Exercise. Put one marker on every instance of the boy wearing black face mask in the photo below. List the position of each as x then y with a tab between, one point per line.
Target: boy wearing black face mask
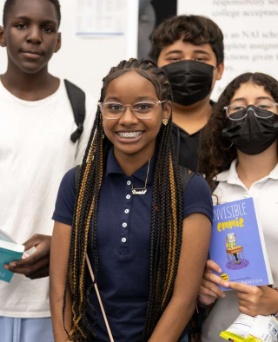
190	49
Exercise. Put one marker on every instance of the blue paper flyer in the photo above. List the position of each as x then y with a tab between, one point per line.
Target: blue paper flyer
237	243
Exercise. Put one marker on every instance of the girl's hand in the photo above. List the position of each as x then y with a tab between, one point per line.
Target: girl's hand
255	300
210	290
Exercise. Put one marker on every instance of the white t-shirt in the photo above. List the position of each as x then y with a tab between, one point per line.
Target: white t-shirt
265	191
35	153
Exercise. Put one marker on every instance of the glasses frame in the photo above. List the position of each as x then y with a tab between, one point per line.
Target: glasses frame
100	104
226	108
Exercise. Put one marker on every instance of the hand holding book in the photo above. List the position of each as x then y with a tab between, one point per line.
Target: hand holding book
237	243
255	300
211	284
238	255
35	265
9	251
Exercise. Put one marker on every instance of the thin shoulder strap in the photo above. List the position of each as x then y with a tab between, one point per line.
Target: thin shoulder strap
99	299
77	100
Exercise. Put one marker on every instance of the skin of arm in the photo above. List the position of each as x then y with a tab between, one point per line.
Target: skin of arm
59	256
194	251
37	264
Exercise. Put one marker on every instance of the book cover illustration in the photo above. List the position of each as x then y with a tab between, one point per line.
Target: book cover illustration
237	243
9	251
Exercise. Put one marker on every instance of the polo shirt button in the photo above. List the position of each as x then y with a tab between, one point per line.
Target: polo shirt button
128	182
123	239
126	211
124	225
127	196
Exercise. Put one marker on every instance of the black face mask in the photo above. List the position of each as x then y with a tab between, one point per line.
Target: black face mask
190	81
252	135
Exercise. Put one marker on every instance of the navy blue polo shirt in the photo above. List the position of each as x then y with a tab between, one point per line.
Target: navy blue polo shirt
123	243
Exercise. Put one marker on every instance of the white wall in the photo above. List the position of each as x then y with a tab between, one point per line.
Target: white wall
86	60
250	34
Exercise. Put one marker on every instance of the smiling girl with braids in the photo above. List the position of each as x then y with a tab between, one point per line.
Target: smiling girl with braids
146	238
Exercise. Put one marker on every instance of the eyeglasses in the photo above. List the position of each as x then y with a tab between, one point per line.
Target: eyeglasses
266	110
142	110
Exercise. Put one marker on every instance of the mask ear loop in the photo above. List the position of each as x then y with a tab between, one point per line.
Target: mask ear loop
228	147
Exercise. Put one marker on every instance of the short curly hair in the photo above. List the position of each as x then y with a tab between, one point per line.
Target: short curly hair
194	29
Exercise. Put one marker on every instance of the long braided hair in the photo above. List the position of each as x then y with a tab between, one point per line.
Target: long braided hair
166	220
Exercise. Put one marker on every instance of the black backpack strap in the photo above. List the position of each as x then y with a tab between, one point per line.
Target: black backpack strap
185	175
77	99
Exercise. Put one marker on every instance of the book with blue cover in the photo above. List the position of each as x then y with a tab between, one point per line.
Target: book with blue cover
9	251
237	243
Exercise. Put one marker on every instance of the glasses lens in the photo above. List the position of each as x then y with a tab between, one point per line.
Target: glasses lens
235	112
143	107
266	109
234	108
112	109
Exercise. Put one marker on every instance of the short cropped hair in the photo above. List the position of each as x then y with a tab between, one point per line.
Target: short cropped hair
8	6
194	29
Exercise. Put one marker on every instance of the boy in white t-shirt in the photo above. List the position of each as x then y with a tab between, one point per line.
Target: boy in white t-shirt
35	151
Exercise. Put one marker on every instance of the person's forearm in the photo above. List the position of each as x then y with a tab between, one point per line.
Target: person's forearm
60	335
58	270
173	321
192	261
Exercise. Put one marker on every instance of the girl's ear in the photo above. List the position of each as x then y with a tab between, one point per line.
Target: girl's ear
167	110
2	39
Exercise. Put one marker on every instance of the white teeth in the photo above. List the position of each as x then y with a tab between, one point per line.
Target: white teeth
129	135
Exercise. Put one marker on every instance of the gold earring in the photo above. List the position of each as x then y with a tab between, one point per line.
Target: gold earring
165	122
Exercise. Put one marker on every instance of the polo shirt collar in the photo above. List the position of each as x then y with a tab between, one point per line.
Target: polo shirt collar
114	167
231	177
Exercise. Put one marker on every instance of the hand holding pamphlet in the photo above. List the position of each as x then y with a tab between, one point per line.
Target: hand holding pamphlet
10	251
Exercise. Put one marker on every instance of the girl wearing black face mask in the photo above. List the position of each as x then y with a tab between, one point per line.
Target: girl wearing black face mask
239	155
